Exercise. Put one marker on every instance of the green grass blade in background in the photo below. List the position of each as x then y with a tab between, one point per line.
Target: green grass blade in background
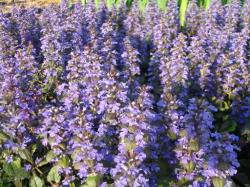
84	2
225	1
200	3
70	3
206	4
118	3
182	11
129	3
162	4
110	3
142	4
97	3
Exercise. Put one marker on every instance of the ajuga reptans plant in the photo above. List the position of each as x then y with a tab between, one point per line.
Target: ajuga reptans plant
118	97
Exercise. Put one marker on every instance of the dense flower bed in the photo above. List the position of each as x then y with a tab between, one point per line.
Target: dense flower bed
98	97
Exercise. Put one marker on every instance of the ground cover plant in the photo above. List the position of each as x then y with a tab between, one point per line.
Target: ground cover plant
91	96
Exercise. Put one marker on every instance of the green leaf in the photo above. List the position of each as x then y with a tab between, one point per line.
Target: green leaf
53	175
171	135
200	3
72	184
36	181
182	11
110	3
49	156
218	182
163	180
225	1
97	3
183	182
70	4
225	117
229	126
162	4
77	165
16	163
206	4
8	169
3	136
129	3
84	2
183	133
21	173
63	162
33	148
246	129
189	166
18	183
15	171
223	106
91	181
142	4
118	3
75	153
193	145
25	154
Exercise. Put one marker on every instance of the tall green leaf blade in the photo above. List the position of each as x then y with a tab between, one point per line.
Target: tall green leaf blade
110	3
129	3
206	4
162	4
97	3
162	177
84	2
142	4
200	3
118	3
72	184
70	3
225	1
182	11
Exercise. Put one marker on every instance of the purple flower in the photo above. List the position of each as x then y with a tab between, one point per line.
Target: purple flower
27	167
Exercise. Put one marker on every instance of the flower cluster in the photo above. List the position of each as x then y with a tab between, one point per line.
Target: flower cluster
97	97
